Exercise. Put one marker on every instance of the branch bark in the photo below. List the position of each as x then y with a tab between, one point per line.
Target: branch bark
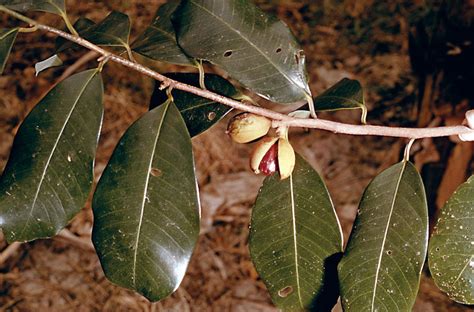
278	118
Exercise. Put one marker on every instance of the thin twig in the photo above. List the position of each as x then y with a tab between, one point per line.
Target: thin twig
398	132
9	251
65	235
83	243
278	118
27	29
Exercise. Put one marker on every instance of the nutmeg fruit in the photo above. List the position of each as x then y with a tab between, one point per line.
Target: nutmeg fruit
259	155
247	127
273	154
286	158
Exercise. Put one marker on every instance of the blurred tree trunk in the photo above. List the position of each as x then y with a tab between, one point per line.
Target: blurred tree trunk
442	56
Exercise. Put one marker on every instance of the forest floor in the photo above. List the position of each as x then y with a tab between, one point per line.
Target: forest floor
366	40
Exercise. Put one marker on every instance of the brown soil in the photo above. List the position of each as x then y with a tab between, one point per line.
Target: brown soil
358	39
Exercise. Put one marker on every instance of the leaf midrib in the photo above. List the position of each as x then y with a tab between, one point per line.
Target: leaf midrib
197	106
351	101
295	241
164	32
251	44
111	37
8	33
462	271
142	210
395	195
43	175
60	10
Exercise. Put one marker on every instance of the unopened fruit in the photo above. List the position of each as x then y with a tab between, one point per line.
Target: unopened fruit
247	127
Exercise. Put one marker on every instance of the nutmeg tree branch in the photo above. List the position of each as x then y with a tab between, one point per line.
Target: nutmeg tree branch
277	118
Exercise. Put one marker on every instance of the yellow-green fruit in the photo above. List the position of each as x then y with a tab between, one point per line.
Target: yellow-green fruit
286	158
246	127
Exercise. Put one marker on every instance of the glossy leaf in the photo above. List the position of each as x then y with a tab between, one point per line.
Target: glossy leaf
113	31
52	61
7	39
158	42
146	206
51	6
296	241
81	26
451	250
254	48
199	113
50	171
381	267
346	94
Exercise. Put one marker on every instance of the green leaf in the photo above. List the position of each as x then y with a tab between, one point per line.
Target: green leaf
52	61
52	6
296	241
81	26
113	31
254	48
199	113
381	267
50	171
451	250
346	94
7	39
158	42
146	206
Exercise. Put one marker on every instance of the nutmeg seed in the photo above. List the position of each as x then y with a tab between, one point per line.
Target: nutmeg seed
260	151
269	163
246	127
